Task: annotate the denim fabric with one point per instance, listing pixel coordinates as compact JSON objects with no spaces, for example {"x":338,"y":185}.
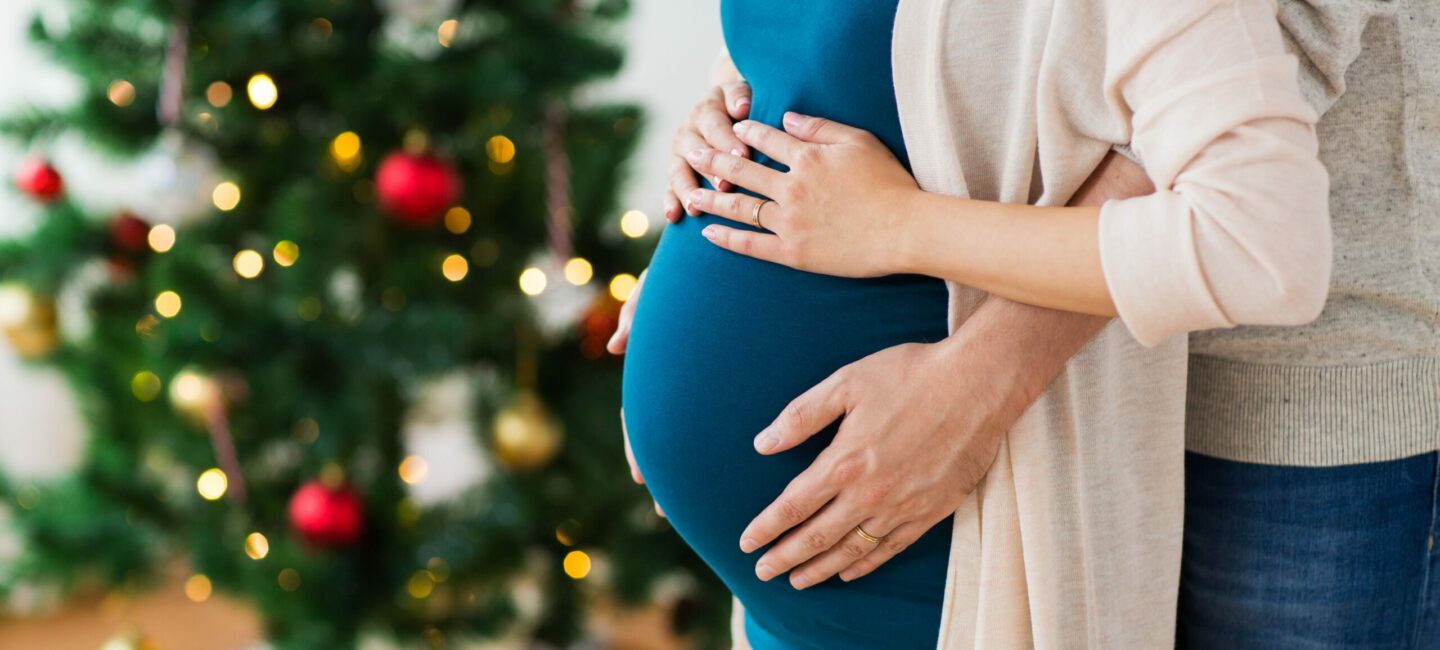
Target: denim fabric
{"x":1305,"y":557}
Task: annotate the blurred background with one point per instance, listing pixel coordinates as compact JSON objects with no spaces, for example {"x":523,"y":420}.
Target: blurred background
{"x":302,"y":304}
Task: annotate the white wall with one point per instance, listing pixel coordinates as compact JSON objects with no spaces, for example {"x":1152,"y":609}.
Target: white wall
{"x":671,"y":45}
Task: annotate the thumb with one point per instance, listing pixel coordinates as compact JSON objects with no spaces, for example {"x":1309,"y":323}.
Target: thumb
{"x":822,"y":131}
{"x":737,"y":100}
{"x":804,"y":417}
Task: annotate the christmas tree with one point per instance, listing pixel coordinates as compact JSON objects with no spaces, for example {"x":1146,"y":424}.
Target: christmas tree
{"x":356,"y":220}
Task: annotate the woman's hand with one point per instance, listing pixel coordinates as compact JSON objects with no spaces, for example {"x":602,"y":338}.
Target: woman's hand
{"x":921,"y":426}
{"x":616,"y":346}
{"x":837,"y":211}
{"x":707,"y":126}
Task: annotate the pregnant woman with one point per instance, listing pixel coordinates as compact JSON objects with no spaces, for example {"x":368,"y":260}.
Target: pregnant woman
{"x":1072,"y":540}
{"x":723,"y":342}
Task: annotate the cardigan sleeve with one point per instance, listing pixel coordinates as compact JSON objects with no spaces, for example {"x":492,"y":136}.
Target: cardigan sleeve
{"x":1238,"y":229}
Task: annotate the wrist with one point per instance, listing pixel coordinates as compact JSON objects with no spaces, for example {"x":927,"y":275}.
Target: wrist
{"x":909,"y":233}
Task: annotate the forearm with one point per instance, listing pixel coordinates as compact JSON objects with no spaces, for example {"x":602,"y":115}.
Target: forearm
{"x":1044,"y":256}
{"x":723,"y":71}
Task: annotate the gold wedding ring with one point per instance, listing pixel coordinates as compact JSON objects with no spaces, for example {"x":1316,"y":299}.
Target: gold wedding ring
{"x":867,"y":536}
{"x":755,"y":214}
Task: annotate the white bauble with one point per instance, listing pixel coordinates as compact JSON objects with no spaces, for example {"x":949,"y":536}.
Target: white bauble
{"x":561,"y":305}
{"x":177,"y":178}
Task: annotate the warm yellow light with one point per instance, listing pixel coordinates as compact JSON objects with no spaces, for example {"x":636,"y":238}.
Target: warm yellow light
{"x":286,"y":253}
{"x":501,"y":149}
{"x":420,"y":584}
{"x":212,"y":484}
{"x":455,"y":268}
{"x":256,"y":546}
{"x":121,"y":93}
{"x":446,"y":33}
{"x":413,"y":469}
{"x":198,"y":588}
{"x":533,"y":281}
{"x":577,"y":564}
{"x":621,"y":286}
{"x":145,"y":385}
{"x":226,"y":196}
{"x":161,"y":238}
{"x":634,"y":224}
{"x":248,"y":264}
{"x":578,"y":271}
{"x":219,"y":94}
{"x":263,"y":91}
{"x":345,"y":149}
{"x":289,"y":579}
{"x":167,"y":304}
{"x":457,"y":220}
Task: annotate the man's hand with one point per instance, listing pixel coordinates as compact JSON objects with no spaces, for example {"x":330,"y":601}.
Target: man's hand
{"x":921,"y":427}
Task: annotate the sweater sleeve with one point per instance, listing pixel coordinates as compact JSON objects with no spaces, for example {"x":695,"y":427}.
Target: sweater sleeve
{"x":1238,"y":229}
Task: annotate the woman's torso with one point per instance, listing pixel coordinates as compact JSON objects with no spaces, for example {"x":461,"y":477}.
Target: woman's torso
{"x":721,"y":343}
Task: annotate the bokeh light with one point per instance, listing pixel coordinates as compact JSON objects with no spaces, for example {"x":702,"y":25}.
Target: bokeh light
{"x":578,"y":271}
{"x":500,"y":149}
{"x":121,"y":93}
{"x":257,"y":546}
{"x":621,"y":286}
{"x":212,"y":484}
{"x":198,"y":588}
{"x":413,"y":469}
{"x":145,"y":385}
{"x":457,"y":220}
{"x":455,"y":268}
{"x":219,"y":94}
{"x":168,"y":304}
{"x":286,"y":253}
{"x":226,"y":196}
{"x":161,"y":238}
{"x":249,"y":264}
{"x":577,"y":564}
{"x":263,"y":91}
{"x":533,"y":281}
{"x":634,"y":224}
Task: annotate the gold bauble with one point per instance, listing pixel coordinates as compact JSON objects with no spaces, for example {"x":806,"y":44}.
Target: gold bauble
{"x":129,"y":641}
{"x":29,"y":322}
{"x":524,"y":436}
{"x":195,"y":395}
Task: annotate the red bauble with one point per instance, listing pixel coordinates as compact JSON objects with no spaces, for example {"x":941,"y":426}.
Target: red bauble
{"x":327,"y":516}
{"x":416,"y":189}
{"x":38,"y":179}
{"x":129,"y":233}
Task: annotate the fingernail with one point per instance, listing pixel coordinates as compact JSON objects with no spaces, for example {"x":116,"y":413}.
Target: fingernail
{"x":765,"y":442}
{"x":694,"y":156}
{"x":748,"y":544}
{"x":742,"y":102}
{"x":800,"y":581}
{"x":689,"y":208}
{"x":736,"y":153}
{"x":848,"y":575}
{"x":791,"y":120}
{"x":709,"y":232}
{"x":739,"y":127}
{"x":695,"y":197}
{"x":764,"y":572}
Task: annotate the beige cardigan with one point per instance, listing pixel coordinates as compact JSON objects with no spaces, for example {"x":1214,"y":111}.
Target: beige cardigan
{"x":1073,"y":539}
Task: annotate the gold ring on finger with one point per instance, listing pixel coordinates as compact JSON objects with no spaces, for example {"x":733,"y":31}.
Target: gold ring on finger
{"x":755,"y":214}
{"x":867,"y":536}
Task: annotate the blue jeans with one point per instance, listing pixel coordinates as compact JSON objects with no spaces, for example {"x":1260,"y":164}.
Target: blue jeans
{"x":1302,"y":557}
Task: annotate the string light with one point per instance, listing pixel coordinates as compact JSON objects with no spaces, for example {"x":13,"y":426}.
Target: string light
{"x":145,"y":385}
{"x":500,"y":149}
{"x":578,"y":271}
{"x":257,"y":546}
{"x":289,"y":579}
{"x":161,"y":238}
{"x":345,"y":149}
{"x":249,"y":264}
{"x":413,"y":470}
{"x":212,"y":484}
{"x":198,"y":588}
{"x":457,"y":220}
{"x":446,"y":33}
{"x":219,"y":94}
{"x":621,"y":286}
{"x":634,"y":224}
{"x":286,"y":253}
{"x":420,"y":585}
{"x":121,"y":93}
{"x":168,"y":304}
{"x":455,"y":268}
{"x":577,"y":564}
{"x":533,"y":281}
{"x":263,"y":91}
{"x":226,"y":196}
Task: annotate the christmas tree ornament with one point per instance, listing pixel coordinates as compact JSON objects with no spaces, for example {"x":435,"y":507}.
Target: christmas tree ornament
{"x":29,"y":322}
{"x":38,"y":179}
{"x":523,"y":435}
{"x":129,"y":640}
{"x":129,"y":234}
{"x":195,"y":395}
{"x":327,"y":515}
{"x":175,"y":180}
{"x":415,"y":189}
{"x":561,"y":304}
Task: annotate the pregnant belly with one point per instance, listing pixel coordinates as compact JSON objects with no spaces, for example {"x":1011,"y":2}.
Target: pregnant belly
{"x":721,"y":343}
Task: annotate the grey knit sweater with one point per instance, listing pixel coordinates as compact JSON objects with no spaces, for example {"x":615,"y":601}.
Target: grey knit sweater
{"x":1361,"y":383}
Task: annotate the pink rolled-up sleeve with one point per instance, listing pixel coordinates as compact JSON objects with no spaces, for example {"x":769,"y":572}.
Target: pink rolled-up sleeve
{"x":1238,"y":231}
